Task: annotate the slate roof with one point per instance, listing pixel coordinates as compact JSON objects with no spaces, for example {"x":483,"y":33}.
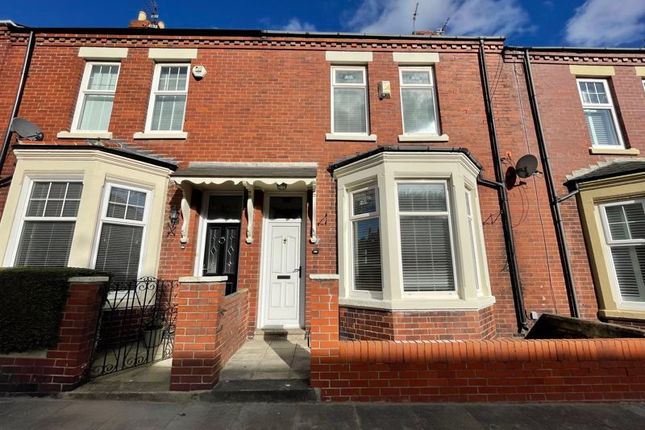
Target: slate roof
{"x":606,"y":170}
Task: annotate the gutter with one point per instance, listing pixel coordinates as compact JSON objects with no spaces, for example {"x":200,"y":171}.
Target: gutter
{"x":509,"y":241}
{"x":554,"y":201}
{"x":16,"y":105}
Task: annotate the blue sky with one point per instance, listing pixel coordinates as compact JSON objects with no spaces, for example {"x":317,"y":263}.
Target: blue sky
{"x":524,"y":22}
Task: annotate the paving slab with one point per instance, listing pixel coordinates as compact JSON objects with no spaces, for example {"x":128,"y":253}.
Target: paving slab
{"x":381,"y":416}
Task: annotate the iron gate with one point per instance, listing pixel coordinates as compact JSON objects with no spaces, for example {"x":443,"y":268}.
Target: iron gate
{"x":136,"y":326}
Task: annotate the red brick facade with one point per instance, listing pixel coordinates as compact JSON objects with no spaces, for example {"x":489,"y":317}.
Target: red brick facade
{"x":267,"y":99}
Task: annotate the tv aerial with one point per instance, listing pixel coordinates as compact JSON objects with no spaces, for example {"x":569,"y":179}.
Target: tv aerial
{"x":26,"y":130}
{"x":524,"y":168}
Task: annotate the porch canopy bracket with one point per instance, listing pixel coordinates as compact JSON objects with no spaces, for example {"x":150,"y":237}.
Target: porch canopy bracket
{"x":250,"y":176}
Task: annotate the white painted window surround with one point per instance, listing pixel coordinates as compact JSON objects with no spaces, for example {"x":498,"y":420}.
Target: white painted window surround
{"x":458,"y":221}
{"x":600,"y":113}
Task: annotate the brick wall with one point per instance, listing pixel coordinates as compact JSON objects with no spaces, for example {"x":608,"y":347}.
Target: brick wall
{"x":374,"y":324}
{"x":233,"y":318}
{"x":64,"y":367}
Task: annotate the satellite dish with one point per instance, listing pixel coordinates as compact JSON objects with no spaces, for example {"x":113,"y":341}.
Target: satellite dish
{"x":26,"y":129}
{"x":510,"y":179}
{"x":526,"y":166}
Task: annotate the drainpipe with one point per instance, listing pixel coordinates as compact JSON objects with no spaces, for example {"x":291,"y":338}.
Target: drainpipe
{"x":513,"y":270}
{"x":554,"y":201}
{"x":16,"y":105}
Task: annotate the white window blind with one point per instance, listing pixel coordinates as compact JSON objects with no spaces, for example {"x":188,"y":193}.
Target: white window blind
{"x":600,"y":112}
{"x":625,"y":231}
{"x":426,"y":249}
{"x":349,"y":100}
{"x":96,"y":97}
{"x":418,"y":101}
{"x":121,"y":236}
{"x":168,"y":99}
{"x":366,"y":237}
{"x":49,"y":222}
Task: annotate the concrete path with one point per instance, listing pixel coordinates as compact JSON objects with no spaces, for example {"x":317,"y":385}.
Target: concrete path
{"x":45,"y":414}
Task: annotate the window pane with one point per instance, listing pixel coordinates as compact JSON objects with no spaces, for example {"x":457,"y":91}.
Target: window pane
{"x":103,"y":77}
{"x":285,"y":207}
{"x":601,"y":127}
{"x":137,"y":198}
{"x":350,"y":110}
{"x":225,"y":207}
{"x":422,"y":198}
{"x":168,"y":113}
{"x":173,"y":78}
{"x":115,"y":211}
{"x":349,"y":77}
{"x":629,"y":264}
{"x":45,"y":243}
{"x":96,"y":112}
{"x":418,"y":110}
{"x":36,"y":208}
{"x":134,"y":213}
{"x":426,"y":254}
{"x":40,"y":190}
{"x":617,"y":222}
{"x":364,"y":201}
{"x":119,"y":250}
{"x":367,"y":255}
{"x":54,"y":208}
{"x":593,"y":92}
{"x":416,"y":77}
{"x":54,"y":199}
{"x":636,"y":219}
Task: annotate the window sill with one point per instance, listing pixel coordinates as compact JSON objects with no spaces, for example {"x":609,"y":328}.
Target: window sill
{"x":613,"y":151}
{"x":161,"y":135}
{"x":352,"y":137}
{"x":84,"y":135}
{"x":423,"y":138}
{"x":627,"y":314}
{"x":420,"y":304}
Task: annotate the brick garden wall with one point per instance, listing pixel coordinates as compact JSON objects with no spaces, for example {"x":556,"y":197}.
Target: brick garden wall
{"x":233,"y":318}
{"x":65,"y":366}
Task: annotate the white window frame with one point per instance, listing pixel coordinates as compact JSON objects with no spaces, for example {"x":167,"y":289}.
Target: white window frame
{"x":84,"y":92}
{"x":601,"y":106}
{"x":372,"y":185}
{"x":433,"y":90}
{"x":204,"y":221}
{"x":448,"y":213}
{"x":10,"y":259}
{"x":154,"y":92}
{"x":105,"y":219}
{"x":610,"y":243}
{"x":474,"y":237}
{"x":364,"y":86}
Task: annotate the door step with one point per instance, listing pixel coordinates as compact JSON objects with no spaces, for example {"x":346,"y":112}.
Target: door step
{"x":277,"y":334}
{"x":262,"y":390}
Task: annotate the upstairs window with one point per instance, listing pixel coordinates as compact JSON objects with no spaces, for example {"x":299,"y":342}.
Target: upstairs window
{"x":600,"y":113}
{"x":349,"y":100}
{"x":366,"y":241}
{"x":48,"y":225}
{"x":168,"y":98}
{"x":123,"y":222}
{"x":625,"y":235}
{"x":426,"y":250}
{"x":96,"y":97}
{"x":418,"y":101}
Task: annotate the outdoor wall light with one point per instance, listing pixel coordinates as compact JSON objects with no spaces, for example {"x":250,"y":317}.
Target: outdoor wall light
{"x":281,"y":187}
{"x":174,"y":219}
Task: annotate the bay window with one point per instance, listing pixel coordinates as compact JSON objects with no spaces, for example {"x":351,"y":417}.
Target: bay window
{"x":410,"y":232}
{"x":366,"y":239}
{"x":624,"y":227}
{"x":48,"y":224}
{"x":122,"y":228}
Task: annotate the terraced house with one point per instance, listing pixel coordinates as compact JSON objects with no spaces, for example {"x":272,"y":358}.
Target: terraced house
{"x":362,"y":190}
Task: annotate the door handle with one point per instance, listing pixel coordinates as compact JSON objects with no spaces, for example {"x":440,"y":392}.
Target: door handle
{"x":299,"y":270}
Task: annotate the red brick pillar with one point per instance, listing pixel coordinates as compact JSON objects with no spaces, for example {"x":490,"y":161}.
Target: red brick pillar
{"x":322,"y":300}
{"x":196,"y":359}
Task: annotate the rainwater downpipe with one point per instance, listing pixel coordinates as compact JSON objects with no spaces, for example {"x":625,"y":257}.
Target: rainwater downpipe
{"x":16,"y":105}
{"x":509,"y":241}
{"x":554,"y":201}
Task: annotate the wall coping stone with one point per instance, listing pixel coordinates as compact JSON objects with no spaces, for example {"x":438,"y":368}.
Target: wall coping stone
{"x":202,"y":279}
{"x":88,"y":279}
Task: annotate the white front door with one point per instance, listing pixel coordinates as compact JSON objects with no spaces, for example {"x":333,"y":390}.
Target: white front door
{"x":281,"y":295}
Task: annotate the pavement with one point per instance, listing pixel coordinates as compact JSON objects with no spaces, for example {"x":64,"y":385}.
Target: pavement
{"x":47,"y":413}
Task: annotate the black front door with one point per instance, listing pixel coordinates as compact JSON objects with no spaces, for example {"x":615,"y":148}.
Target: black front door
{"x":221,"y":253}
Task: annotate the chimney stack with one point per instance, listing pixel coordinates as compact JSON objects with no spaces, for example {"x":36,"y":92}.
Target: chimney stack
{"x":142,"y":21}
